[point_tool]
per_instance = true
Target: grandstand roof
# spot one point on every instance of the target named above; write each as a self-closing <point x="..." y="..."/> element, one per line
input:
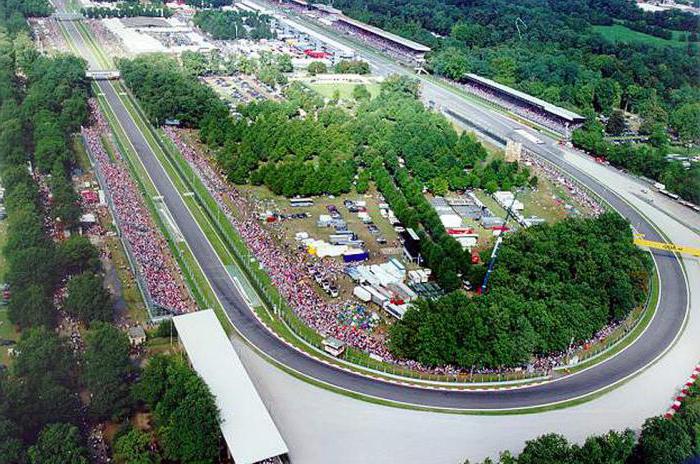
<point x="246" y="425"/>
<point x="548" y="107"/>
<point x="415" y="46"/>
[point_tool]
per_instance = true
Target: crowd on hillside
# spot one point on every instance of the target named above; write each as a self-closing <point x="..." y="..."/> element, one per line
<point x="48" y="35"/>
<point x="518" y="107"/>
<point x="149" y="248"/>
<point x="578" y="193"/>
<point x="107" y="39"/>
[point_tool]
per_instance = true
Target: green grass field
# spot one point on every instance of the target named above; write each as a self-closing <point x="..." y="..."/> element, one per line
<point x="620" y="33"/>
<point x="345" y="89"/>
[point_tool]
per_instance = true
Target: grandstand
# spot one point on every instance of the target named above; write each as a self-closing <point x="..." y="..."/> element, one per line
<point x="408" y="48"/>
<point x="554" y="117"/>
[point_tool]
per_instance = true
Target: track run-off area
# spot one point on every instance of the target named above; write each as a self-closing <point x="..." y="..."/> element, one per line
<point x="676" y="285"/>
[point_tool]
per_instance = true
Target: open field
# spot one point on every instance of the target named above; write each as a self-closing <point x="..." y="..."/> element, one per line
<point x="344" y="89"/>
<point x="620" y="33"/>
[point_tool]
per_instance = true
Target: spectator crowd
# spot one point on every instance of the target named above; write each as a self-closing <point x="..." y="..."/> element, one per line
<point x="518" y="107"/>
<point x="149" y="249"/>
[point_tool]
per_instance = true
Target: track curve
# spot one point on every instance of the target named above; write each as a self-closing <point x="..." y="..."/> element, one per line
<point x="661" y="332"/>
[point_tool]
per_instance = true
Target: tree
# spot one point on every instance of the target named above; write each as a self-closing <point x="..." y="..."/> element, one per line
<point x="607" y="95"/>
<point x="547" y="449"/>
<point x="58" y="444"/>
<point x="188" y="419"/>
<point x="12" y="450"/>
<point x="439" y="186"/>
<point x="452" y="63"/>
<point x="107" y="371"/>
<point x="664" y="441"/>
<point x="154" y="380"/>
<point x="317" y="67"/>
<point x="78" y="255"/>
<point x="133" y="447"/>
<point x="401" y="84"/>
<point x="30" y="306"/>
<point x="284" y="63"/>
<point x="40" y="389"/>
<point x="616" y="124"/>
<point x="611" y="448"/>
<point x="186" y="416"/>
<point x="88" y="299"/>
<point x="360" y="93"/>
<point x="686" y="122"/>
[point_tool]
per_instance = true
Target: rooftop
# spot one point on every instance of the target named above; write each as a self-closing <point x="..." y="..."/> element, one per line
<point x="415" y="46"/>
<point x="246" y="425"/>
<point x="550" y="108"/>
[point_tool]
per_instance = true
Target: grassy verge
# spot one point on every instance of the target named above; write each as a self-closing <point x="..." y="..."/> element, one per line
<point x="104" y="61"/>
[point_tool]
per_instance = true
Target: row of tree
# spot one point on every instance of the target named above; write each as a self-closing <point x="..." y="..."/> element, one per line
<point x="661" y="441"/>
<point x="234" y="25"/>
<point x="41" y="101"/>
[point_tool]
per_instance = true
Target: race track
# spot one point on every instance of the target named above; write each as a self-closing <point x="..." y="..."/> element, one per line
<point x="659" y="335"/>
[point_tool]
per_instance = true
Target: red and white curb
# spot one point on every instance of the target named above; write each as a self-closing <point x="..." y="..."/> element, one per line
<point x="677" y="403"/>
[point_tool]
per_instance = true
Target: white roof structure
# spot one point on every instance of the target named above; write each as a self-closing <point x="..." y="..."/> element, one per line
<point x="546" y="106"/>
<point x="246" y="425"/>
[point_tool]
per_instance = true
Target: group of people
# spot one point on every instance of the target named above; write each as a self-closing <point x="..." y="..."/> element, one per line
<point x="578" y="193"/>
<point x="387" y="46"/>
<point x="48" y="34"/>
<point x="148" y="247"/>
<point x="106" y="38"/>
<point x="518" y="107"/>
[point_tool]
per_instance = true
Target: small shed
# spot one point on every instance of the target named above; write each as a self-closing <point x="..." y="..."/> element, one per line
<point x="137" y="335"/>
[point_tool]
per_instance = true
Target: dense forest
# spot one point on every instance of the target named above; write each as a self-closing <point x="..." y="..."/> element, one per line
<point x="551" y="50"/>
<point x="233" y="25"/>
<point x="548" y="48"/>
<point x="552" y="284"/>
<point x="662" y="440"/>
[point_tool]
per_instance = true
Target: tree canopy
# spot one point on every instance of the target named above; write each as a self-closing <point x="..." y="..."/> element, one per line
<point x="552" y="284"/>
<point x="185" y="413"/>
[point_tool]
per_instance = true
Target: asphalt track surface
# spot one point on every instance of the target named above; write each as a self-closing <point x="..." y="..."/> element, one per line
<point x="659" y="335"/>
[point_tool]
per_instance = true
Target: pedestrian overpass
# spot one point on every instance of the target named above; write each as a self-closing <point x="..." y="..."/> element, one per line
<point x="103" y="75"/>
<point x="67" y="16"/>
